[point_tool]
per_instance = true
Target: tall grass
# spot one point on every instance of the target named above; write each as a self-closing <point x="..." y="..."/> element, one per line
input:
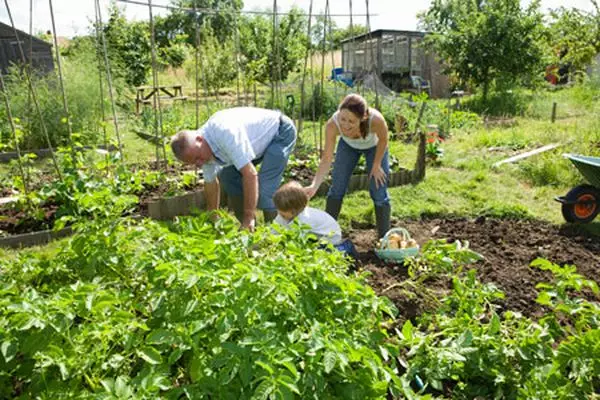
<point x="82" y="90"/>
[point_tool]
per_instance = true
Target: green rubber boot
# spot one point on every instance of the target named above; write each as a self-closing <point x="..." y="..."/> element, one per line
<point x="382" y="218"/>
<point x="333" y="207"/>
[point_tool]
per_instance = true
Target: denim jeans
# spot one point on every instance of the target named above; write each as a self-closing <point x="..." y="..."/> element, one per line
<point x="272" y="165"/>
<point x="346" y="158"/>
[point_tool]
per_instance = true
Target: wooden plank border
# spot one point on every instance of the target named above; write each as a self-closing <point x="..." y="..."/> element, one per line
<point x="6" y="157"/>
<point x="34" y="238"/>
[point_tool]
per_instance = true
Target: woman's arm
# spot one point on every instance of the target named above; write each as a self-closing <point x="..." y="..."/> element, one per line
<point x="331" y="132"/>
<point x="379" y="127"/>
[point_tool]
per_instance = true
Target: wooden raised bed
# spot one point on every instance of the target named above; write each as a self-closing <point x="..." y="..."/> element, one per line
<point x="42" y="153"/>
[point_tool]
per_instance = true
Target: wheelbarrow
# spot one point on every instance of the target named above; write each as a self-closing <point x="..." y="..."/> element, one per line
<point x="582" y="203"/>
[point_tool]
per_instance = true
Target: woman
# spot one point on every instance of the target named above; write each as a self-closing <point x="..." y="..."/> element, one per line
<point x="362" y="130"/>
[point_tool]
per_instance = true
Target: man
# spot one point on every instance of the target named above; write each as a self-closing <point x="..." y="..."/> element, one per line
<point x="228" y="146"/>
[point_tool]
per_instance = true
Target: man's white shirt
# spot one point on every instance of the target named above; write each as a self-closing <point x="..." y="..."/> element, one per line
<point x="237" y="136"/>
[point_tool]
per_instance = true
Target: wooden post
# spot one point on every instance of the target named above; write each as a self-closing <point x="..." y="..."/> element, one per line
<point x="255" y="98"/>
<point x="553" y="118"/>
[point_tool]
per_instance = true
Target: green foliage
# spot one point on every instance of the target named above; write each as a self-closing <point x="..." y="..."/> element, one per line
<point x="439" y="258"/>
<point x="574" y="35"/>
<point x="333" y="35"/>
<point x="261" y="61"/>
<point x="89" y="189"/>
<point x="575" y="323"/>
<point x="173" y="119"/>
<point x="322" y="104"/>
<point x="218" y="64"/>
<point x="222" y="23"/>
<point x="549" y="170"/>
<point x="581" y="314"/>
<point x="83" y="98"/>
<point x="499" y="103"/>
<point x="128" y="44"/>
<point x="486" y="42"/>
<point x="82" y="192"/>
<point x="467" y="347"/>
<point x="440" y="113"/>
<point x="130" y="50"/>
<point x="147" y="311"/>
<point x="175" y="54"/>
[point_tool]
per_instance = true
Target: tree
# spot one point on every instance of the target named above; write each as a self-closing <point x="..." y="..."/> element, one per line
<point x="221" y="19"/>
<point x="218" y="60"/>
<point x="128" y="47"/>
<point x="335" y="34"/>
<point x="574" y="35"/>
<point x="258" y="57"/>
<point x="130" y="50"/>
<point x="486" y="42"/>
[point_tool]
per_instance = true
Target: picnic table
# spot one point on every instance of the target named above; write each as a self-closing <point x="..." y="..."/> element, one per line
<point x="144" y="94"/>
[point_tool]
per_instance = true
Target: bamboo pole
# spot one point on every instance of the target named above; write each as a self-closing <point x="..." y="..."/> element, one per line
<point x="158" y="131"/>
<point x="110" y="82"/>
<point x="61" y="81"/>
<point x="302" y="87"/>
<point x="33" y="92"/>
<point x="14" y="132"/>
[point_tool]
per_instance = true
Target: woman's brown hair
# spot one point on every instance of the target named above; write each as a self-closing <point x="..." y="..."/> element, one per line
<point x="357" y="105"/>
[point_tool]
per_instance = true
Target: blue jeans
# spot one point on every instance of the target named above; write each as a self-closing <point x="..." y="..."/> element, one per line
<point x="346" y="158"/>
<point x="347" y="247"/>
<point x="273" y="163"/>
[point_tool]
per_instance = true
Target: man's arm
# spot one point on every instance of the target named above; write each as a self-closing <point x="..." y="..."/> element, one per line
<point x="212" y="191"/>
<point x="250" y="186"/>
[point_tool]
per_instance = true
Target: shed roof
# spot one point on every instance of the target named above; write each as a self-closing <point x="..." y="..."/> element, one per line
<point x="7" y="32"/>
<point x="380" y="32"/>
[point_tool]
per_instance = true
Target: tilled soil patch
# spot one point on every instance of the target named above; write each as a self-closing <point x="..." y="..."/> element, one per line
<point x="509" y="247"/>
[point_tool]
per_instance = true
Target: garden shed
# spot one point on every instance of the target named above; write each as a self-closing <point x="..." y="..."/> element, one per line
<point x="38" y="50"/>
<point x="397" y="58"/>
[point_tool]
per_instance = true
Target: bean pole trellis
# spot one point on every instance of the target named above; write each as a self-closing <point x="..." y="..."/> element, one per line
<point x="105" y="75"/>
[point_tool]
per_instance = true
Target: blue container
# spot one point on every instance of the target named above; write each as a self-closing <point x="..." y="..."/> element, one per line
<point x="338" y="74"/>
<point x="396" y="255"/>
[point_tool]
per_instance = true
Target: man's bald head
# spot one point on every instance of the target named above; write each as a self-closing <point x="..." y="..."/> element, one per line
<point x="182" y="142"/>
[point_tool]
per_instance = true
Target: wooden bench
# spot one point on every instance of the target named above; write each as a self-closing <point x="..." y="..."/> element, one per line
<point x="144" y="94"/>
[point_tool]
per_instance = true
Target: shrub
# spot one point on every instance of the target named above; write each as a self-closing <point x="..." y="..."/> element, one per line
<point x="499" y="103"/>
<point x="324" y="104"/>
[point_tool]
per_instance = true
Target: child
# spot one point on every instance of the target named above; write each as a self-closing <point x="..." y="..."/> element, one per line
<point x="291" y="202"/>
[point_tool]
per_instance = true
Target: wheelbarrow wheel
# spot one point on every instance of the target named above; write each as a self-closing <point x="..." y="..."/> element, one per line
<point x="582" y="204"/>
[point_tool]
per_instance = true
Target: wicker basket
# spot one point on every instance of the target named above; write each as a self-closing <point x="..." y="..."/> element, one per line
<point x="396" y="255"/>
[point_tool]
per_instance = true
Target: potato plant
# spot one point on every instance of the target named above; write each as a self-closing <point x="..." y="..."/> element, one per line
<point x="470" y="348"/>
<point x="190" y="310"/>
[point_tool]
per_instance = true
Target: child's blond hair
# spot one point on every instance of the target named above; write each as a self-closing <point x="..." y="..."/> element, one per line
<point x="290" y="197"/>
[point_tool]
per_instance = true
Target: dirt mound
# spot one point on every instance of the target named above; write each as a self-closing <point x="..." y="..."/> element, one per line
<point x="509" y="246"/>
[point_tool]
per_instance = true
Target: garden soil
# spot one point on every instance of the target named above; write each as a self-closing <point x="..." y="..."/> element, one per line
<point x="508" y="248"/>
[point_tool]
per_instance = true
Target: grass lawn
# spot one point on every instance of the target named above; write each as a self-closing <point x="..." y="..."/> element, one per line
<point x="465" y="183"/>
